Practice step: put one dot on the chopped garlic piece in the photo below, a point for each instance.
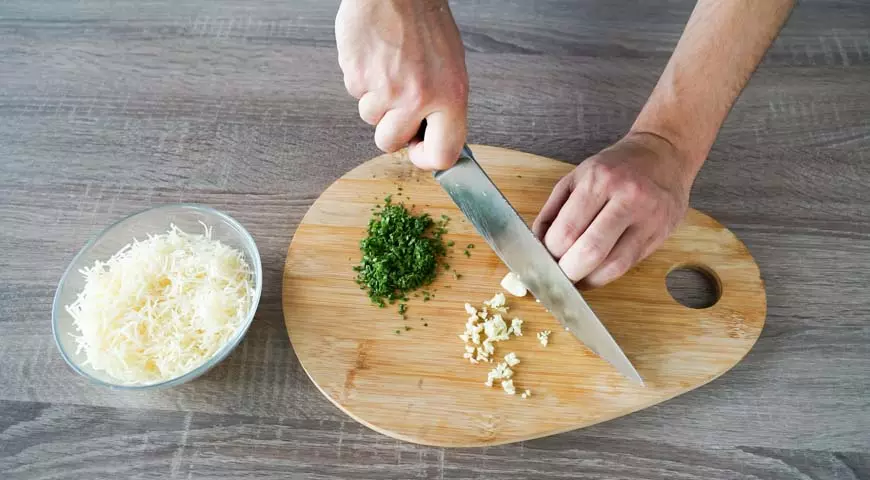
(527, 394)
(544, 337)
(512, 283)
(516, 327)
(483, 329)
(501, 372)
(497, 301)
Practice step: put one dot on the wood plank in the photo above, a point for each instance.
(71, 442)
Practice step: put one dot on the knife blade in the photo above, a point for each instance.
(508, 235)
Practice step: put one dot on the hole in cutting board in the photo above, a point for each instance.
(693, 287)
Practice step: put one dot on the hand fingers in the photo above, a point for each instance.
(372, 107)
(573, 218)
(629, 250)
(551, 208)
(596, 242)
(396, 129)
(354, 85)
(442, 141)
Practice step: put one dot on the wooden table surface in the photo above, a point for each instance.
(108, 107)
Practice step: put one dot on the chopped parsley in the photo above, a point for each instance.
(400, 253)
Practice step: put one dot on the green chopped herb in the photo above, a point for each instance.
(451, 243)
(446, 266)
(398, 332)
(467, 253)
(400, 253)
(403, 307)
(470, 245)
(407, 328)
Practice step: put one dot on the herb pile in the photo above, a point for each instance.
(400, 253)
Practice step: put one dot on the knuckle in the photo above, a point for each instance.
(557, 241)
(571, 229)
(568, 181)
(592, 249)
(353, 83)
(633, 190)
(619, 266)
(604, 174)
(367, 116)
(385, 139)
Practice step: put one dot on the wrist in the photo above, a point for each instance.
(688, 141)
(675, 162)
(684, 135)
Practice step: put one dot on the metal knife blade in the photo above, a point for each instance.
(505, 231)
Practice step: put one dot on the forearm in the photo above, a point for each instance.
(722, 44)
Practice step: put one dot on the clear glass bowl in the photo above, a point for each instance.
(152, 221)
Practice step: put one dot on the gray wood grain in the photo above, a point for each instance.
(108, 107)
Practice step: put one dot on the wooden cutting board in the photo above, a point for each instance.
(414, 385)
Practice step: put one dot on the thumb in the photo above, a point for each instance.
(442, 141)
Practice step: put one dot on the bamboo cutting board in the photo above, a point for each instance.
(414, 385)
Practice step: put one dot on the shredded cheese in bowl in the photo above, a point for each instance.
(159, 308)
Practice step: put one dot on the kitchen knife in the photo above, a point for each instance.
(512, 240)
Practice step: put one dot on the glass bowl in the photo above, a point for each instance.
(155, 220)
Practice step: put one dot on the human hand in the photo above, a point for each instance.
(615, 208)
(404, 61)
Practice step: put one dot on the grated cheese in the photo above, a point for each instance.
(161, 307)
